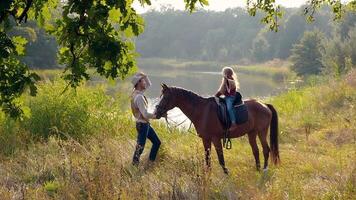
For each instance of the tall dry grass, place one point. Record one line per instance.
(80, 146)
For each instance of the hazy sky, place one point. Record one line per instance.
(216, 5)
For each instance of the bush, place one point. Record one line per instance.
(314, 106)
(75, 112)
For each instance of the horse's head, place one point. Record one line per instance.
(166, 103)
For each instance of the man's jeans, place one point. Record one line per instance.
(144, 131)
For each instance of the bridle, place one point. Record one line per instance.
(161, 107)
(161, 113)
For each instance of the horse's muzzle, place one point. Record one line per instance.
(159, 112)
(160, 115)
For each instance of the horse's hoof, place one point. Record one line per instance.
(258, 168)
(226, 171)
(265, 170)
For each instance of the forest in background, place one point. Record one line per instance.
(230, 36)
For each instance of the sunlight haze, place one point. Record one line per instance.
(216, 5)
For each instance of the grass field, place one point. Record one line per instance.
(79, 145)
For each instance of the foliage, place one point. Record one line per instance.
(260, 48)
(94, 34)
(41, 49)
(15, 77)
(339, 56)
(273, 11)
(306, 55)
(77, 114)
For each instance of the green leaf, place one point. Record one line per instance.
(35, 76)
(49, 27)
(62, 50)
(108, 65)
(204, 2)
(20, 43)
(26, 111)
(115, 16)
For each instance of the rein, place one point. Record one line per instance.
(170, 127)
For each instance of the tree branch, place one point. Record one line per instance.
(73, 54)
(24, 12)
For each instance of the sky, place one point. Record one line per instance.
(215, 5)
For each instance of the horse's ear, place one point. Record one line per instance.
(164, 86)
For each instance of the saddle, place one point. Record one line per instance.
(240, 111)
(241, 115)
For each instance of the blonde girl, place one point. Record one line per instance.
(228, 87)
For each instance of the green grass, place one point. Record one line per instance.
(88, 153)
(278, 73)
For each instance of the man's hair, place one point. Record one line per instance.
(137, 83)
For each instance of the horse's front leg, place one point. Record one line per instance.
(207, 147)
(220, 153)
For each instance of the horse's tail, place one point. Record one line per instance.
(274, 135)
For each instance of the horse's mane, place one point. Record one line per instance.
(180, 90)
(188, 93)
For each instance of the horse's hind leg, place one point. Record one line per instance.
(252, 139)
(220, 153)
(207, 148)
(266, 150)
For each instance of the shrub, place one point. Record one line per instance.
(75, 112)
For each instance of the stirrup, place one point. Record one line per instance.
(228, 144)
(227, 141)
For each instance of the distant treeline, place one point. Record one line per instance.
(232, 35)
(229, 36)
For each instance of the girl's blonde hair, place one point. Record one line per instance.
(230, 71)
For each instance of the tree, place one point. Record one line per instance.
(260, 48)
(346, 24)
(306, 55)
(41, 49)
(92, 34)
(290, 34)
(339, 55)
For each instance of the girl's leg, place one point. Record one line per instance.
(230, 107)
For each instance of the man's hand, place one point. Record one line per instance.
(163, 115)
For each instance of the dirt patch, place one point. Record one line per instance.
(351, 78)
(341, 137)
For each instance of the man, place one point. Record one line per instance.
(141, 82)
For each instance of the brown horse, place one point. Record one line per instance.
(203, 114)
